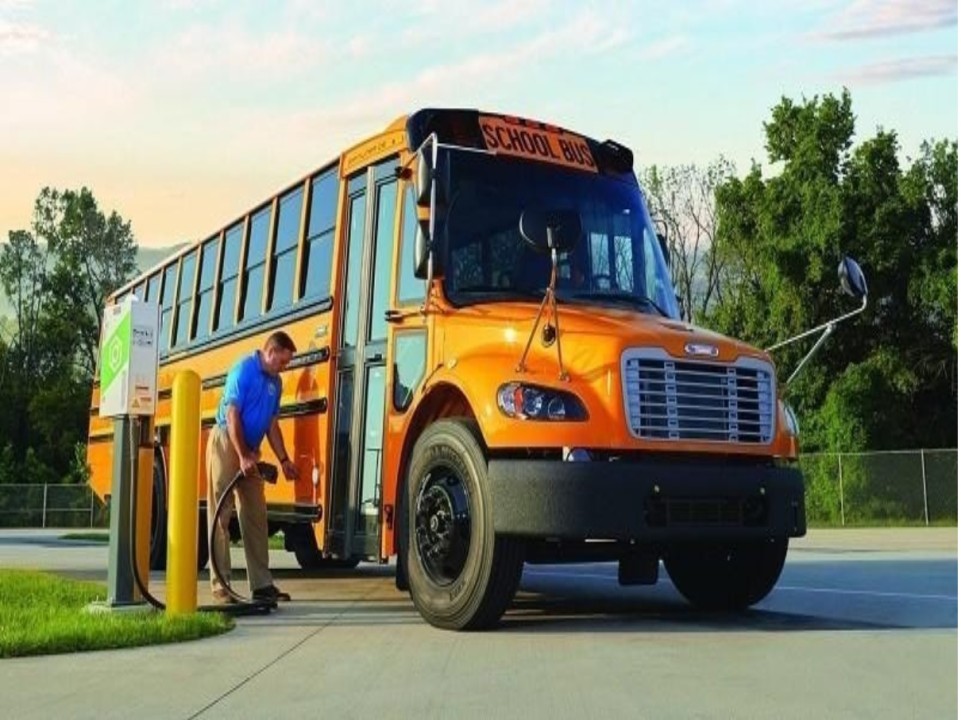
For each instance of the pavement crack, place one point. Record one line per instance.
(277, 659)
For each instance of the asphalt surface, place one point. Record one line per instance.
(861, 624)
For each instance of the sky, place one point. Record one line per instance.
(183, 114)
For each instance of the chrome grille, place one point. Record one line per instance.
(670, 399)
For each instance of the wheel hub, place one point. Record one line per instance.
(442, 526)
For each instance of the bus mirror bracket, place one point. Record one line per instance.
(853, 283)
(549, 233)
(431, 192)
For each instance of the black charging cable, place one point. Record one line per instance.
(241, 604)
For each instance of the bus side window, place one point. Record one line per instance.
(253, 281)
(170, 277)
(319, 246)
(410, 360)
(185, 297)
(229, 269)
(285, 250)
(205, 289)
(409, 288)
(153, 289)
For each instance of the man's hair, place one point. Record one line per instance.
(281, 340)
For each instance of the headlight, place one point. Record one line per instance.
(531, 402)
(790, 419)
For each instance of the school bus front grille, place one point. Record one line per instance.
(670, 399)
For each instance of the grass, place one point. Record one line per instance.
(42, 614)
(275, 542)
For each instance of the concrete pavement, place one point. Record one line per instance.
(847, 637)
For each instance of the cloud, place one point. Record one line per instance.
(873, 18)
(444, 21)
(240, 52)
(18, 38)
(664, 48)
(903, 69)
(329, 128)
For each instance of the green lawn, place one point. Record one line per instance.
(41, 614)
(275, 542)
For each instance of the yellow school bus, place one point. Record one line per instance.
(491, 370)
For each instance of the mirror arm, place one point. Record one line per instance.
(864, 304)
(430, 228)
(824, 336)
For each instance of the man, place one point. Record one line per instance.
(248, 411)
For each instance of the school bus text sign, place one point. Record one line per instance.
(533, 141)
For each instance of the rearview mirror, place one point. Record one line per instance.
(427, 173)
(544, 230)
(852, 279)
(422, 249)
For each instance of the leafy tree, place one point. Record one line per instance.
(887, 378)
(94, 254)
(57, 278)
(23, 271)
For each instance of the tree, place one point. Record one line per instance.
(94, 255)
(57, 277)
(23, 272)
(888, 378)
(682, 198)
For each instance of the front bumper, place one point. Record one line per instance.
(649, 501)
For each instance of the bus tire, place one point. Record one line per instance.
(158, 524)
(400, 575)
(300, 539)
(726, 576)
(158, 517)
(203, 541)
(461, 575)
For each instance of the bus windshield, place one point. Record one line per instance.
(617, 261)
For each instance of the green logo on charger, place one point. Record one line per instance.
(116, 353)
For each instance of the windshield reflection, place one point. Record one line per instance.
(617, 261)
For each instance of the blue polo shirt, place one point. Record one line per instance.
(255, 393)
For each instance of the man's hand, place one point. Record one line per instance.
(248, 463)
(290, 470)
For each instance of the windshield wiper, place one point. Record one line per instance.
(626, 298)
(495, 290)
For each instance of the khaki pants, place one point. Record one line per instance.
(222, 466)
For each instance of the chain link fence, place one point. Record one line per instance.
(59, 506)
(903, 487)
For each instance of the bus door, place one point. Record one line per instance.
(355, 503)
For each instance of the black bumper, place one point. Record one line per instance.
(649, 501)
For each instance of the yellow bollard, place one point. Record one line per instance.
(182, 500)
(144, 496)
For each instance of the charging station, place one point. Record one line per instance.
(129, 355)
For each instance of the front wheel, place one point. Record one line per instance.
(461, 576)
(731, 576)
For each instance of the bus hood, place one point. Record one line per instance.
(596, 332)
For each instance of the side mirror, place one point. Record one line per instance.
(425, 172)
(428, 174)
(852, 279)
(854, 284)
(665, 250)
(546, 230)
(422, 249)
